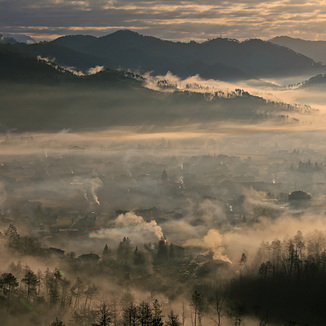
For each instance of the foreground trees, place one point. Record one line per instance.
(57, 322)
(285, 281)
(130, 315)
(198, 305)
(104, 316)
(8, 284)
(31, 281)
(287, 278)
(49, 289)
(173, 320)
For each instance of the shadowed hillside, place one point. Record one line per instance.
(224, 59)
(312, 49)
(219, 58)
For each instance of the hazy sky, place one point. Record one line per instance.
(175, 20)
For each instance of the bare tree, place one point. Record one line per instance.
(198, 305)
(217, 301)
(77, 290)
(183, 314)
(89, 294)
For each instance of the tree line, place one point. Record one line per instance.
(284, 282)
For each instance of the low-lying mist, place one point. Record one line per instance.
(288, 90)
(166, 195)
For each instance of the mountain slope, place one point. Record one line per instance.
(40, 96)
(259, 57)
(316, 81)
(20, 38)
(312, 49)
(35, 108)
(222, 58)
(15, 66)
(128, 50)
(35, 96)
(63, 56)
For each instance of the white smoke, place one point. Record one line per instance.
(95, 70)
(73, 70)
(49, 61)
(271, 90)
(211, 212)
(88, 187)
(213, 242)
(95, 184)
(80, 73)
(132, 226)
(171, 83)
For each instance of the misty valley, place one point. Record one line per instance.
(141, 188)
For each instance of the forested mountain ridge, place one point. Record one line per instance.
(312, 49)
(270, 288)
(17, 66)
(227, 58)
(221, 58)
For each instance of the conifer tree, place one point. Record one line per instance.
(57, 322)
(157, 314)
(31, 280)
(173, 320)
(130, 315)
(104, 317)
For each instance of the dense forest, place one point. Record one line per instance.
(161, 284)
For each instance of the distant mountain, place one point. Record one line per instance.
(63, 56)
(15, 66)
(94, 106)
(316, 81)
(20, 38)
(312, 49)
(128, 50)
(7, 40)
(40, 96)
(219, 58)
(223, 59)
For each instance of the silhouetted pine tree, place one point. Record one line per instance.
(104, 317)
(57, 322)
(173, 320)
